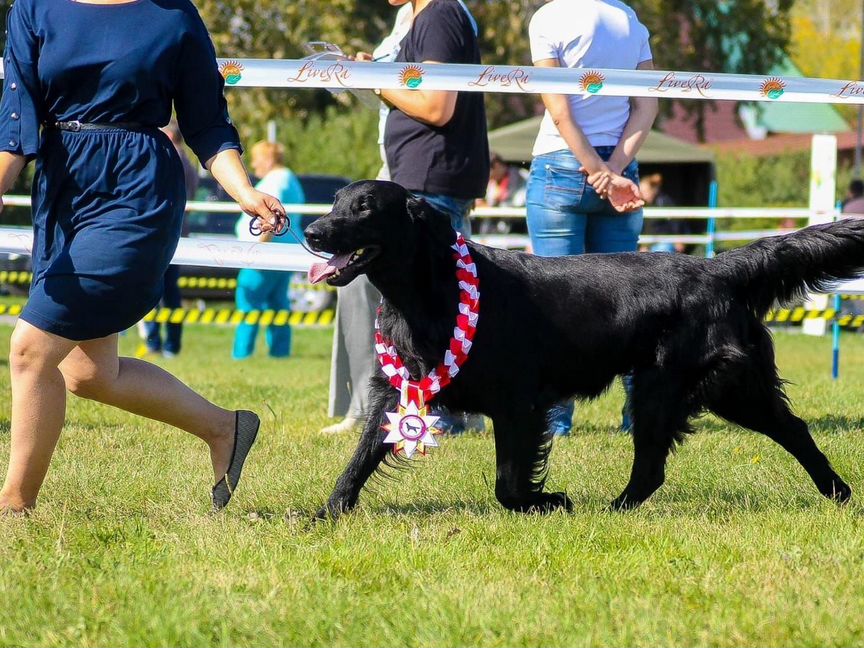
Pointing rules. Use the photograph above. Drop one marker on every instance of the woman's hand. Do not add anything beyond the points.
(363, 57)
(268, 211)
(599, 179)
(623, 194)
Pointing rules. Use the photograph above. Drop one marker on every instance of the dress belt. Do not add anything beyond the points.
(77, 126)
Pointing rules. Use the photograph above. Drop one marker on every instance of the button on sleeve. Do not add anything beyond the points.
(21, 103)
(202, 112)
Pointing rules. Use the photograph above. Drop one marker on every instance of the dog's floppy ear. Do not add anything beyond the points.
(432, 223)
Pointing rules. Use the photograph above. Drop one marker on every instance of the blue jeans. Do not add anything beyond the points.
(457, 209)
(565, 217)
(262, 290)
(173, 332)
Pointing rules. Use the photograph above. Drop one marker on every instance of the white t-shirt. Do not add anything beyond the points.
(588, 34)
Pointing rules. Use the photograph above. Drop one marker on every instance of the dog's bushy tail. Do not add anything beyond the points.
(781, 268)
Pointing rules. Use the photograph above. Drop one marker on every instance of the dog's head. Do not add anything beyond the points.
(375, 227)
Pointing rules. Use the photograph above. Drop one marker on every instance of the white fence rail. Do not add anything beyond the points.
(224, 252)
(231, 253)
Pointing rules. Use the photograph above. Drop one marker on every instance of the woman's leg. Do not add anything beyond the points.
(94, 371)
(609, 231)
(38, 410)
(248, 298)
(554, 195)
(278, 337)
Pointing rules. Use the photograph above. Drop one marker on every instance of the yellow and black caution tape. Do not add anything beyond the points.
(230, 316)
(798, 315)
(211, 283)
(14, 277)
(13, 310)
(221, 316)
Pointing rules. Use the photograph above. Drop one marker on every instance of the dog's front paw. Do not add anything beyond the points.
(625, 502)
(540, 503)
(332, 510)
(838, 491)
(553, 501)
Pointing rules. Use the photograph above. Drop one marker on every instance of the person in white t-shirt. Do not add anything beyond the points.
(583, 194)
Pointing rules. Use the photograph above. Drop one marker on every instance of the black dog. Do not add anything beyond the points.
(689, 329)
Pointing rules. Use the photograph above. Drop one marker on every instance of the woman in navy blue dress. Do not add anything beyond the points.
(87, 86)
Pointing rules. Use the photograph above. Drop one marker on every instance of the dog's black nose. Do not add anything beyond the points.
(312, 234)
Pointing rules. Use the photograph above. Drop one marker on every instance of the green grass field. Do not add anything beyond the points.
(737, 548)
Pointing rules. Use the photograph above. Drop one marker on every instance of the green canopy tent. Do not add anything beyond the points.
(687, 169)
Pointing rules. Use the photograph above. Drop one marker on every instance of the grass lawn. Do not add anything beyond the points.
(737, 548)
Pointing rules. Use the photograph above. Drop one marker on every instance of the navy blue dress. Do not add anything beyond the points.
(107, 205)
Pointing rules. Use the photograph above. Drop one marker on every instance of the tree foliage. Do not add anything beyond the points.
(741, 36)
(744, 36)
(826, 41)
(736, 36)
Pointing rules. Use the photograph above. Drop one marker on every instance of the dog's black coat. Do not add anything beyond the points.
(689, 329)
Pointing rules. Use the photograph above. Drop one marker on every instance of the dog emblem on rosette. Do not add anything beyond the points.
(411, 429)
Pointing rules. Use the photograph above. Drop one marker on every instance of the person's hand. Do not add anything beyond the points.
(599, 180)
(363, 56)
(268, 211)
(623, 194)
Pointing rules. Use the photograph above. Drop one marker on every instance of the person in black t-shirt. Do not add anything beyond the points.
(436, 141)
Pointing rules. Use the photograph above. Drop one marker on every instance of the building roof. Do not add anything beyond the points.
(724, 120)
(779, 144)
(798, 117)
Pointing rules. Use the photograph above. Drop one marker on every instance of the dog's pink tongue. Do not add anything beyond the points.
(320, 271)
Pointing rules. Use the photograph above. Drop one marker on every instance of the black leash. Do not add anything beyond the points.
(255, 230)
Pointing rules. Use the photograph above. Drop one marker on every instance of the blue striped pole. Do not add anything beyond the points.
(712, 222)
(835, 365)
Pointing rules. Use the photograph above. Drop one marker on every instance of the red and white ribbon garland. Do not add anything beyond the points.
(460, 344)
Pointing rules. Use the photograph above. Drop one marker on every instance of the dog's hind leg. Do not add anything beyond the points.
(522, 447)
(660, 414)
(370, 452)
(753, 398)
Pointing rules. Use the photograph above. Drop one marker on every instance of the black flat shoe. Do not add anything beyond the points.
(245, 432)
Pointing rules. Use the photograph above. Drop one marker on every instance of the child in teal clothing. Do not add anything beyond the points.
(259, 290)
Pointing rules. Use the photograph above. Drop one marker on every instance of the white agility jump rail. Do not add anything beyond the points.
(519, 79)
(227, 253)
(525, 79)
(211, 253)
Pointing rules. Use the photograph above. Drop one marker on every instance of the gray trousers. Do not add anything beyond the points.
(353, 362)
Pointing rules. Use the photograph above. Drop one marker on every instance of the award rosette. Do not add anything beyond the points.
(411, 429)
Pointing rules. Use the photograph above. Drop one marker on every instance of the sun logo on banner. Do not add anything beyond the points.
(592, 82)
(773, 88)
(231, 71)
(411, 76)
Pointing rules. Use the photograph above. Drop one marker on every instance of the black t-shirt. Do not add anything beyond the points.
(453, 159)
